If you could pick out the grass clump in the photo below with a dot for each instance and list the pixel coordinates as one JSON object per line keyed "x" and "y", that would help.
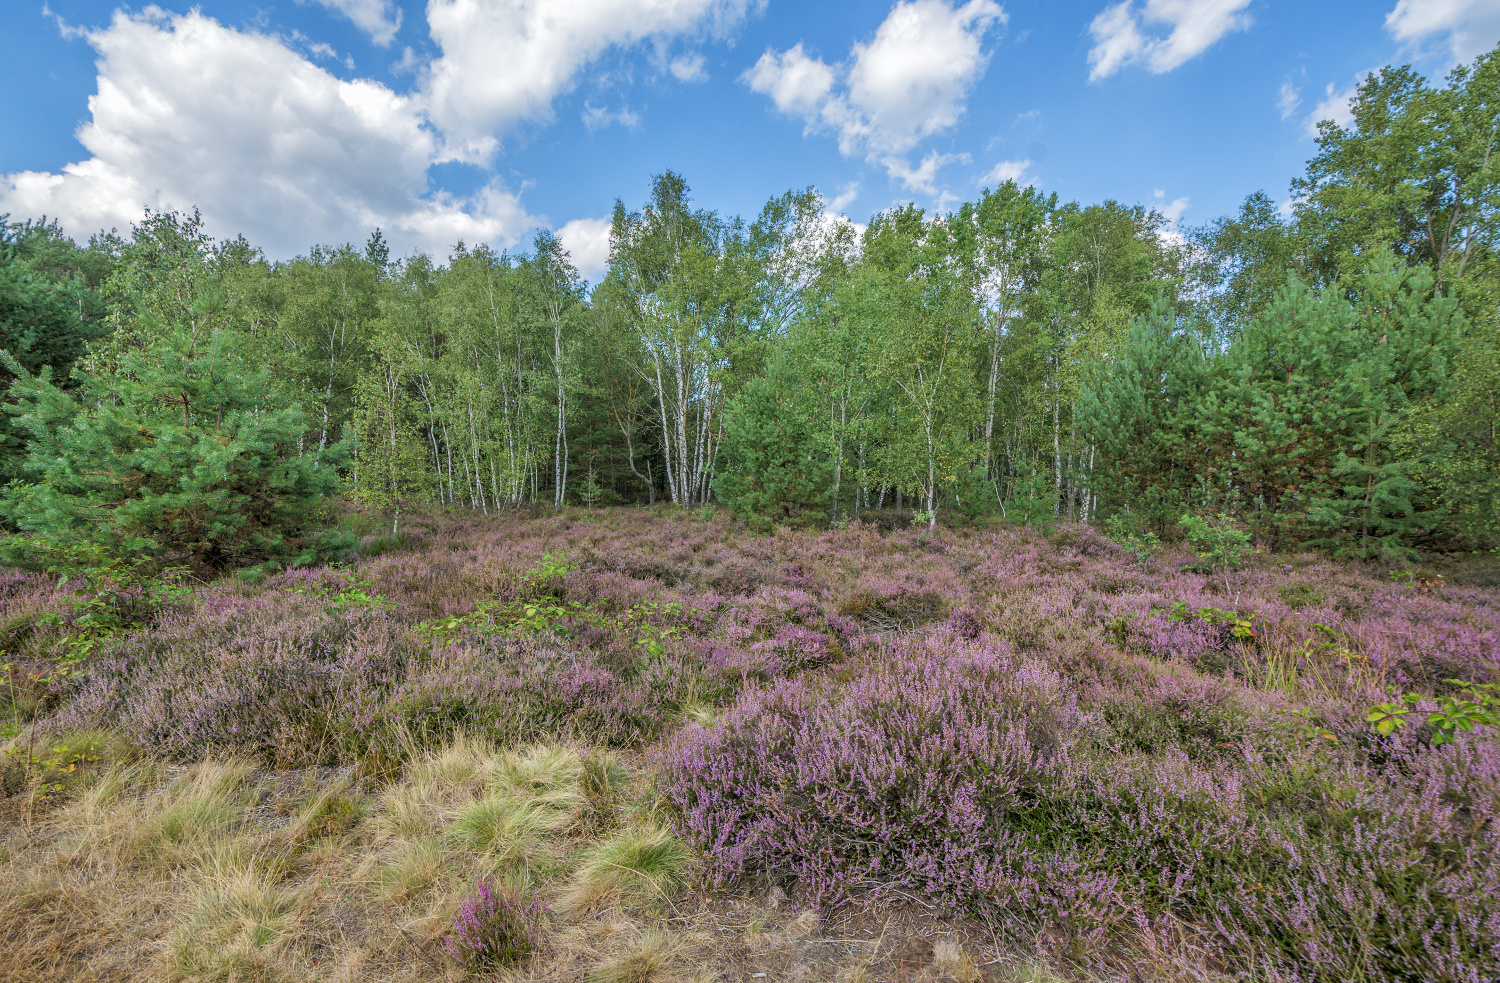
{"x": 643, "y": 863}
{"x": 236, "y": 917}
{"x": 649, "y": 960}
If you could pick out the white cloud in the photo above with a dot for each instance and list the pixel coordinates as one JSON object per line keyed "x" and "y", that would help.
{"x": 380, "y": 19}
{"x": 1008, "y": 170}
{"x": 910, "y": 81}
{"x": 317, "y": 48}
{"x": 1336, "y": 104}
{"x": 1195, "y": 26}
{"x": 1172, "y": 210}
{"x": 408, "y": 63}
{"x": 189, "y": 112}
{"x": 587, "y": 241}
{"x": 1471, "y": 27}
{"x": 597, "y": 117}
{"x": 843, "y": 199}
{"x": 923, "y": 177}
{"x": 1288, "y": 99}
{"x": 688, "y": 68}
{"x": 1171, "y": 232}
{"x": 799, "y": 85}
{"x": 504, "y": 61}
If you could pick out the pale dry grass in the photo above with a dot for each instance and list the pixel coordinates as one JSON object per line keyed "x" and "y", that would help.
{"x": 218, "y": 873}
{"x": 642, "y": 863}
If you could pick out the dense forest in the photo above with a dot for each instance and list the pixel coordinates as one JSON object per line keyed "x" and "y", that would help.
{"x": 1323, "y": 372}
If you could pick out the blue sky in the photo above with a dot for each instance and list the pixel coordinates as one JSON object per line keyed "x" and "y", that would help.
{"x": 304, "y": 121}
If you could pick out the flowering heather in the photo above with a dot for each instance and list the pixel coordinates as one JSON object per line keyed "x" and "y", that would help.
{"x": 1138, "y": 766}
{"x": 494, "y": 927}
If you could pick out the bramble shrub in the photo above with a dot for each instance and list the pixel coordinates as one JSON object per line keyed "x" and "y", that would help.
{"x": 494, "y": 927}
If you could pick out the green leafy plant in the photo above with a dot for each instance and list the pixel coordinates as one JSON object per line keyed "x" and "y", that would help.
{"x": 1142, "y": 545}
{"x": 357, "y": 592}
{"x": 651, "y": 638}
{"x": 1310, "y": 726}
{"x": 51, "y": 765}
{"x": 552, "y": 566}
{"x": 1390, "y": 716}
{"x": 112, "y": 600}
{"x": 1217, "y": 540}
{"x": 1473, "y": 705}
{"x": 1243, "y": 629}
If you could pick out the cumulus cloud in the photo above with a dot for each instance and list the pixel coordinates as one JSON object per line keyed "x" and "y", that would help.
{"x": 1470, "y": 27}
{"x": 189, "y": 112}
{"x": 1120, "y": 38}
{"x": 1337, "y": 105}
{"x": 1008, "y": 170}
{"x": 910, "y": 81}
{"x": 688, "y": 68}
{"x": 798, "y": 84}
{"x": 504, "y": 61}
{"x": 587, "y": 241}
{"x": 380, "y": 19}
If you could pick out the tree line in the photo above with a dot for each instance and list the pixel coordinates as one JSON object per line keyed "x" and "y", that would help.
{"x": 1324, "y": 372}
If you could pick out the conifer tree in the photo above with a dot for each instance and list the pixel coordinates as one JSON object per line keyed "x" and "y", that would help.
{"x": 180, "y": 455}
{"x": 1142, "y": 413}
{"x": 773, "y": 467}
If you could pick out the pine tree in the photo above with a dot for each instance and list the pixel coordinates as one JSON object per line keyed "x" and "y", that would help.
{"x": 180, "y": 455}
{"x": 1141, "y": 411}
{"x": 773, "y": 465}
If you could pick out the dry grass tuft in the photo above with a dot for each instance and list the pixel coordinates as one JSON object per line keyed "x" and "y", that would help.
{"x": 237, "y": 918}
{"x": 654, "y": 957}
{"x": 806, "y": 924}
{"x": 949, "y": 962}
{"x": 455, "y": 772}
{"x": 644, "y": 863}
{"x": 214, "y": 873}
{"x": 410, "y": 869}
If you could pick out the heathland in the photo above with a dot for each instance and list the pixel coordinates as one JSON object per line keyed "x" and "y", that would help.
{"x": 642, "y": 745}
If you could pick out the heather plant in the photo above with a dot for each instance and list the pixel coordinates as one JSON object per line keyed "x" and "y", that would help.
{"x": 495, "y": 927}
{"x": 1023, "y": 724}
{"x": 964, "y": 773}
